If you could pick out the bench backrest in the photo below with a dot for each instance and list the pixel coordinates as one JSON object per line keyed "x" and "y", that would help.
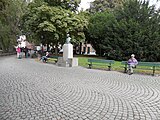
{"x": 151, "y": 64}
{"x": 124, "y": 63}
{"x": 101, "y": 61}
{"x": 55, "y": 57}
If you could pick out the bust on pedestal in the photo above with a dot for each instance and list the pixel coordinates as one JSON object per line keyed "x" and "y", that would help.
{"x": 67, "y": 60}
{"x": 67, "y": 49}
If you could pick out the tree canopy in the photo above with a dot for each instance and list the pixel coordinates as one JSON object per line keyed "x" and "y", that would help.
{"x": 103, "y": 5}
{"x": 132, "y": 29}
{"x": 71, "y": 5}
{"x": 10, "y": 12}
{"x": 117, "y": 28}
{"x": 53, "y": 23}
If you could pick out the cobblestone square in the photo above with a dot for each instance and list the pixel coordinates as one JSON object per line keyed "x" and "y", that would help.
{"x": 31, "y": 90}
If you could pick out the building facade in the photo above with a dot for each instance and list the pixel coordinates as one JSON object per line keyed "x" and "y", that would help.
{"x": 87, "y": 49}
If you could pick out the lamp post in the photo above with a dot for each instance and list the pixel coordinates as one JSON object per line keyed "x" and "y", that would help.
{"x": 42, "y": 40}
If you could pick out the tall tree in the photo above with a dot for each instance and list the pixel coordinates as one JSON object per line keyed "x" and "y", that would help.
{"x": 97, "y": 30}
{"x": 102, "y": 5}
{"x": 53, "y": 23}
{"x": 66, "y": 4}
{"x": 140, "y": 23}
{"x": 134, "y": 29}
{"x": 10, "y": 12}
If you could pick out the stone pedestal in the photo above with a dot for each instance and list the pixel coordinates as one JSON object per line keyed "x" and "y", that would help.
{"x": 67, "y": 60}
{"x": 67, "y": 51}
{"x": 74, "y": 62}
{"x": 71, "y": 62}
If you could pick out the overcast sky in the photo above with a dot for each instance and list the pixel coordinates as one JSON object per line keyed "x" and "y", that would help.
{"x": 85, "y": 3}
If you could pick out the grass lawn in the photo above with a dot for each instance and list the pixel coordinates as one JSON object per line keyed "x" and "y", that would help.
{"x": 83, "y": 61}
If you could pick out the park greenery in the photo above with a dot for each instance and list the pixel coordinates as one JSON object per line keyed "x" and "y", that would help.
{"x": 115, "y": 28}
{"x": 105, "y": 5}
{"x": 51, "y": 23}
{"x": 135, "y": 28}
{"x": 10, "y": 15}
{"x": 117, "y": 66}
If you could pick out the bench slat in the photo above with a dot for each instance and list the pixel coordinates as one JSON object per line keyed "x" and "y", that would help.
{"x": 55, "y": 57}
{"x": 96, "y": 61}
{"x": 101, "y": 61}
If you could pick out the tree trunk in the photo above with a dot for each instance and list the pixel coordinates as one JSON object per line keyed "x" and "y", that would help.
{"x": 80, "y": 48}
{"x": 3, "y": 46}
{"x": 47, "y": 47}
{"x": 56, "y": 50}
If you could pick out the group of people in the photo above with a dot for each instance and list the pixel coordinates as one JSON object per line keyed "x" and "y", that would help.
{"x": 132, "y": 62}
{"x": 20, "y": 50}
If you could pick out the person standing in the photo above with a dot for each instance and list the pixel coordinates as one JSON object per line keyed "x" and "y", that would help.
{"x": 18, "y": 49}
{"x": 26, "y": 52}
{"x": 132, "y": 62}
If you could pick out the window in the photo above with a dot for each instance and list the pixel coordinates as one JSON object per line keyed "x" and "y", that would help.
{"x": 88, "y": 50}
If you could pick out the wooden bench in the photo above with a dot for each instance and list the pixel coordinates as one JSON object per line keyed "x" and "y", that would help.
{"x": 96, "y": 61}
{"x": 125, "y": 66}
{"x": 54, "y": 58}
{"x": 144, "y": 66}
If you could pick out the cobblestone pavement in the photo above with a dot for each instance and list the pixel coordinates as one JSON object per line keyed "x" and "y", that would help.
{"x": 30, "y": 90}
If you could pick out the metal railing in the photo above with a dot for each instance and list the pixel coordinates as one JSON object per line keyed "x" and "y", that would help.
{"x": 7, "y": 54}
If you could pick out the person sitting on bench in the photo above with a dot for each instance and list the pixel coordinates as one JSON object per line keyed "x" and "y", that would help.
{"x": 44, "y": 58}
{"x": 132, "y": 62}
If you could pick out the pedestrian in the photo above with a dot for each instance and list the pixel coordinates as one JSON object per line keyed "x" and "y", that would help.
{"x": 26, "y": 52}
{"x": 18, "y": 49}
{"x": 132, "y": 62}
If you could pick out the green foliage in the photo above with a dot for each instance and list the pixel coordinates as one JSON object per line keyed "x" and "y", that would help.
{"x": 103, "y": 5}
{"x": 54, "y": 23}
{"x": 133, "y": 29}
{"x": 71, "y": 5}
{"x": 97, "y": 30}
{"x": 10, "y": 12}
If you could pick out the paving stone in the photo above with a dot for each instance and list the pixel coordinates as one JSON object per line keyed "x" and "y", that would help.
{"x": 32, "y": 90}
